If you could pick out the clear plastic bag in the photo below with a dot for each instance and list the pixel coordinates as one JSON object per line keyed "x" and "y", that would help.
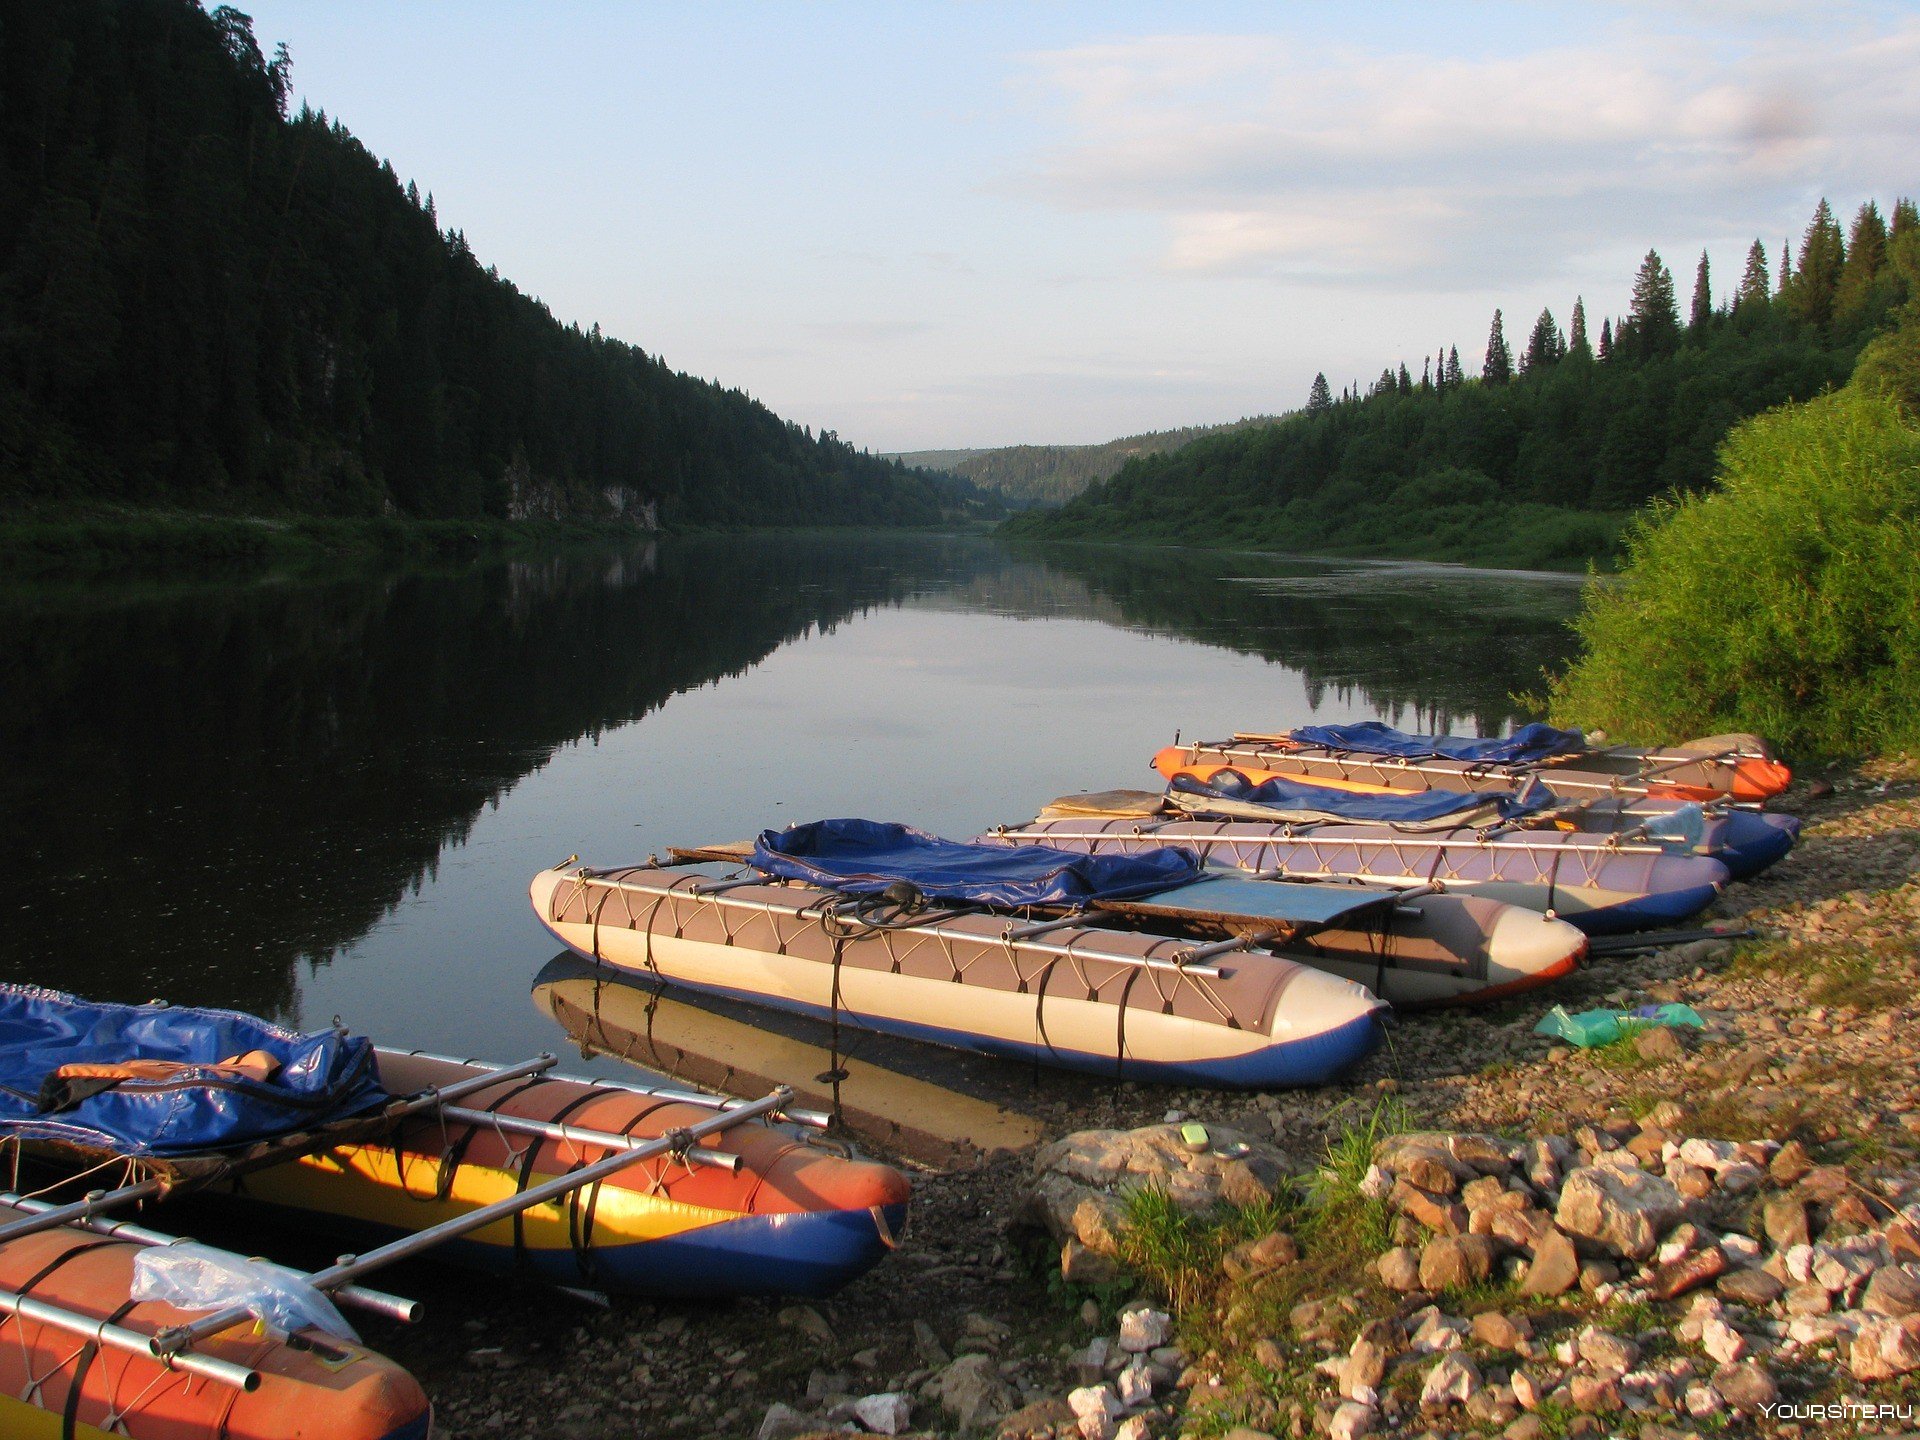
{"x": 197, "y": 1277}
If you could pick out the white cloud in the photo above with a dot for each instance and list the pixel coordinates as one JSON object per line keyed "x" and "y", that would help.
{"x": 1261, "y": 156}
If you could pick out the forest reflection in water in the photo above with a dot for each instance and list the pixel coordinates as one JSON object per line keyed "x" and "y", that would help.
{"x": 324, "y": 794}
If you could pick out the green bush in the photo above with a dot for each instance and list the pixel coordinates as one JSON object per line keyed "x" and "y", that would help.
{"x": 1785, "y": 602}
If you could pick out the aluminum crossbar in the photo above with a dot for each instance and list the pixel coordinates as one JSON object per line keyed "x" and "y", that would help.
{"x": 814, "y": 1119}
{"x": 93, "y": 1203}
{"x": 1404, "y": 842}
{"x": 118, "y": 1337}
{"x": 352, "y": 1267}
{"x": 378, "y": 1302}
{"x": 580, "y": 1135}
{"x": 765, "y": 907}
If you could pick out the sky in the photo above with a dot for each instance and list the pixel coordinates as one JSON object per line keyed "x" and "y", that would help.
{"x": 931, "y": 225}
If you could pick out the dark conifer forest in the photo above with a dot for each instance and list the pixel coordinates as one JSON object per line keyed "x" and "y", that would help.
{"x": 208, "y": 301}
{"x": 1540, "y": 458}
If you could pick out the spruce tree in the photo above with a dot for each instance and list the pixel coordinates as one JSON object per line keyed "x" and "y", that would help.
{"x": 1454, "y": 377}
{"x": 1498, "y": 366}
{"x": 1606, "y": 340}
{"x": 1905, "y": 218}
{"x": 1320, "y": 397}
{"x": 1404, "y": 380}
{"x": 1544, "y": 345}
{"x": 1785, "y": 278}
{"x": 1823, "y": 252}
{"x": 1866, "y": 258}
{"x": 1426, "y": 373}
{"x": 1577, "y": 333}
{"x": 1754, "y": 281}
{"x": 1702, "y": 312}
{"x": 1654, "y": 320}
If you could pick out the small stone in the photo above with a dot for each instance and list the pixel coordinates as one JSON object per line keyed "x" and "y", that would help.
{"x": 1399, "y": 1269}
{"x": 1555, "y": 1267}
{"x": 1442, "y": 1216}
{"x": 809, "y": 1322}
{"x": 1658, "y": 1045}
{"x": 1739, "y": 1178}
{"x": 932, "y": 1352}
{"x": 1746, "y": 1387}
{"x": 1594, "y": 1394}
{"x": 1350, "y": 1421}
{"x": 1453, "y": 1380}
{"x": 1753, "y": 1288}
{"x": 1143, "y": 1330}
{"x": 1740, "y": 1249}
{"x": 1722, "y": 1341}
{"x": 1095, "y": 1400}
{"x": 1528, "y": 1390}
{"x": 1501, "y": 1332}
{"x": 1689, "y": 1272}
{"x": 1691, "y": 1181}
{"x": 1702, "y": 1401}
{"x": 1526, "y": 1427}
{"x": 1894, "y": 1291}
{"x": 1785, "y": 1221}
{"x": 1789, "y": 1163}
{"x": 1885, "y": 1348}
{"x": 1453, "y": 1262}
{"x": 1807, "y": 1298}
{"x": 1082, "y": 1265}
{"x": 971, "y": 1390}
{"x": 888, "y": 1413}
{"x": 1136, "y": 1427}
{"x": 1623, "y": 1211}
{"x": 1134, "y": 1385}
{"x": 783, "y": 1422}
{"x": 1604, "y": 1350}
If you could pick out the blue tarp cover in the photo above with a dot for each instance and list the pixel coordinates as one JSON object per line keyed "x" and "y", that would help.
{"x": 1293, "y": 798}
{"x": 1370, "y": 737}
{"x": 321, "y": 1076}
{"x": 864, "y": 857}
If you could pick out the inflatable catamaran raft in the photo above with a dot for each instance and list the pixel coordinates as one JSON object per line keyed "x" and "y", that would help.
{"x": 1146, "y": 966}
{"x": 1603, "y": 884}
{"x": 1718, "y": 767}
{"x": 179, "y": 1101}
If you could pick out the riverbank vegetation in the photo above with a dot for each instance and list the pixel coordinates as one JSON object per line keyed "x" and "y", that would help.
{"x": 209, "y": 303}
{"x": 1542, "y": 458}
{"x": 1786, "y": 600}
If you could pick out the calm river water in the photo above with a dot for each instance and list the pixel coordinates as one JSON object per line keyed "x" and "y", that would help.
{"x": 311, "y": 797}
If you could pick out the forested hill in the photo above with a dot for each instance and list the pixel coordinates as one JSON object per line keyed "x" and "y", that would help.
{"x": 206, "y": 301}
{"x": 1052, "y": 474}
{"x": 1540, "y": 458}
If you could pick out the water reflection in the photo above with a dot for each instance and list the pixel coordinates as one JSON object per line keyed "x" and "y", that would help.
{"x": 303, "y": 795}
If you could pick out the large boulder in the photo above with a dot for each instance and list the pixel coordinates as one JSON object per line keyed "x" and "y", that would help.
{"x": 1621, "y": 1211}
{"x": 1080, "y": 1181}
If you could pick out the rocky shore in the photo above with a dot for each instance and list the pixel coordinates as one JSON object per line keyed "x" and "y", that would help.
{"x": 1483, "y": 1232}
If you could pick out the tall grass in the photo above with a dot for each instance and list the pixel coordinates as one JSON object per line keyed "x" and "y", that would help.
{"x": 1785, "y": 602}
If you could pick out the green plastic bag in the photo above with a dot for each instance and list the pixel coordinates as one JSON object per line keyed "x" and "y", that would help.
{"x": 1589, "y": 1028}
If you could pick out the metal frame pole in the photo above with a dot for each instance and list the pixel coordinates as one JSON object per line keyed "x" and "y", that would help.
{"x": 580, "y": 1135}
{"x": 351, "y": 1267}
{"x": 394, "y": 1307}
{"x": 118, "y": 1337}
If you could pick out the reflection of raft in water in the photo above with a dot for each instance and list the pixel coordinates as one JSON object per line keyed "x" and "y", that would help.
{"x": 754, "y": 1211}
{"x": 888, "y": 1093}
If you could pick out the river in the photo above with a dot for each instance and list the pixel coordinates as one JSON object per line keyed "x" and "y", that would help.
{"x": 309, "y": 795}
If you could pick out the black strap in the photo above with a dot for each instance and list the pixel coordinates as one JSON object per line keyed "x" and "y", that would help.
{"x": 70, "y": 1413}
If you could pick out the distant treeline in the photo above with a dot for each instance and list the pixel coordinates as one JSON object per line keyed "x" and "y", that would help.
{"x": 1538, "y": 459}
{"x": 205, "y": 301}
{"x": 1054, "y": 474}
